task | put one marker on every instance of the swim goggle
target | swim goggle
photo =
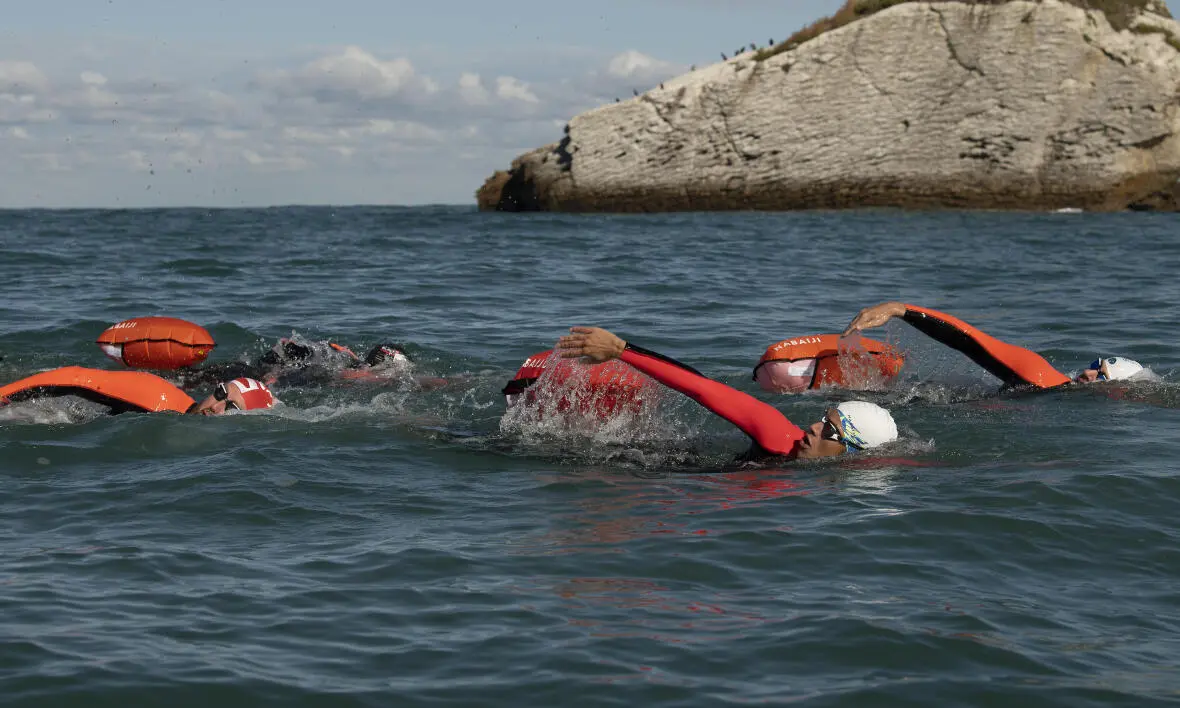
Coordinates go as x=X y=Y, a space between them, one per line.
x=1100 y=366
x=830 y=432
x=221 y=393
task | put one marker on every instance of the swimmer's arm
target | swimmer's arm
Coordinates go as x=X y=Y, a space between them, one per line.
x=874 y=316
x=769 y=428
x=1011 y=364
x=432 y=383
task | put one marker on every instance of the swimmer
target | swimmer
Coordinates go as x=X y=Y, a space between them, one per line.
x=1013 y=365
x=847 y=428
x=136 y=391
x=292 y=363
x=386 y=354
x=243 y=394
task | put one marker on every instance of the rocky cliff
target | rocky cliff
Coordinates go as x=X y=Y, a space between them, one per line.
x=1020 y=105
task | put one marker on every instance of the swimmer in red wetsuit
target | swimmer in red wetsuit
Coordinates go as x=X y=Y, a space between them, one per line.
x=849 y=427
x=139 y=391
x=1013 y=365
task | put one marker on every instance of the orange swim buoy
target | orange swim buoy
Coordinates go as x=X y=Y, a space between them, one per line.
x=156 y=343
x=122 y=390
x=605 y=389
x=795 y=365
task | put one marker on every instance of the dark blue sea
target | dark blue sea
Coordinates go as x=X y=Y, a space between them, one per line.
x=394 y=544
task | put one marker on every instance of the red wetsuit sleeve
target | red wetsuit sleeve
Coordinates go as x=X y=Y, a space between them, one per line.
x=1011 y=364
x=769 y=428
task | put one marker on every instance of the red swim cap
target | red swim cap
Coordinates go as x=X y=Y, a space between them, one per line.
x=255 y=394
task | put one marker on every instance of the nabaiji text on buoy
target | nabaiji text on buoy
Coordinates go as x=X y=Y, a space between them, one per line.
x=795 y=365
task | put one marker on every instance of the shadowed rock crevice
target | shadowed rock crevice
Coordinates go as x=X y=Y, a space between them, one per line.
x=950 y=44
x=565 y=159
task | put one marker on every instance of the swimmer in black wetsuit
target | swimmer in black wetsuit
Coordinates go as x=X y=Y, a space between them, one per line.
x=849 y=427
x=1013 y=365
x=290 y=363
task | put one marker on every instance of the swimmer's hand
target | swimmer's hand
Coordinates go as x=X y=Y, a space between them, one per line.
x=593 y=344
x=874 y=316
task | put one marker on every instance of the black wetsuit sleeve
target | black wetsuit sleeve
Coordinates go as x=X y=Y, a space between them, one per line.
x=216 y=373
x=1011 y=364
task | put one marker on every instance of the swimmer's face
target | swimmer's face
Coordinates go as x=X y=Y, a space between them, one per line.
x=818 y=442
x=224 y=399
x=1090 y=375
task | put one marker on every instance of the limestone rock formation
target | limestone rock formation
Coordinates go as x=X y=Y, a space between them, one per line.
x=1020 y=105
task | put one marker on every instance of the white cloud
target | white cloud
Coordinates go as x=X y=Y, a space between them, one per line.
x=283 y=161
x=510 y=88
x=472 y=91
x=618 y=77
x=351 y=74
x=136 y=160
x=19 y=78
x=88 y=98
x=310 y=136
x=402 y=130
x=48 y=161
x=637 y=65
x=227 y=135
x=23 y=109
x=344 y=119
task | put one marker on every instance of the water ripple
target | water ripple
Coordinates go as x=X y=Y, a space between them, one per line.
x=406 y=544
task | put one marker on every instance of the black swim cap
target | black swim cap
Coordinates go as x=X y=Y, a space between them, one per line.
x=286 y=351
x=385 y=352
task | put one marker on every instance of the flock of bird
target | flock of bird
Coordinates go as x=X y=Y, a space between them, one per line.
x=753 y=46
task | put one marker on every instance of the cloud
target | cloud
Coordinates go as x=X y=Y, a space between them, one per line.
x=275 y=160
x=513 y=89
x=22 y=86
x=336 y=118
x=637 y=65
x=472 y=91
x=618 y=77
x=21 y=78
x=22 y=110
x=352 y=75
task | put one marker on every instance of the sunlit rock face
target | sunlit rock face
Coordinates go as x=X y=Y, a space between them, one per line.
x=1012 y=105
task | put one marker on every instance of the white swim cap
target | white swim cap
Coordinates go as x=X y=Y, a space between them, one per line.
x=866 y=424
x=1114 y=368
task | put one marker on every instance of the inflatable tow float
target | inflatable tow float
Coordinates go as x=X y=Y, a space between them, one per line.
x=160 y=343
x=122 y=391
x=796 y=365
x=604 y=389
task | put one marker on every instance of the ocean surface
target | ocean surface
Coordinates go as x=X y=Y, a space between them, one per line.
x=398 y=544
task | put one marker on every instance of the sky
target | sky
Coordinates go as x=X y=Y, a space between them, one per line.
x=139 y=103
